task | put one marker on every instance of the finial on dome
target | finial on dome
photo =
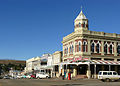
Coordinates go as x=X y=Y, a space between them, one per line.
x=81 y=7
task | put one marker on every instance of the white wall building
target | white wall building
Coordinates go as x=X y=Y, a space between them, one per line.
x=33 y=64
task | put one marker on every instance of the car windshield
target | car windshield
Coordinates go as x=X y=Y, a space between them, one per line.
x=99 y=73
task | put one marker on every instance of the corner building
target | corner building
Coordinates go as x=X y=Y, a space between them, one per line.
x=88 y=52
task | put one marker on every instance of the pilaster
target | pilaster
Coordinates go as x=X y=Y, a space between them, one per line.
x=102 y=47
x=115 y=48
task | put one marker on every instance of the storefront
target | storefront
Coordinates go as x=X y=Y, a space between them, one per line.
x=89 y=68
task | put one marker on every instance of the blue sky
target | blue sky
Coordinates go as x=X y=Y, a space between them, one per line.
x=30 y=28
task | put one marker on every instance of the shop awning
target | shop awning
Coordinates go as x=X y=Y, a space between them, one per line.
x=105 y=62
x=99 y=62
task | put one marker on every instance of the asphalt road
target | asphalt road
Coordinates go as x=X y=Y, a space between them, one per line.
x=55 y=82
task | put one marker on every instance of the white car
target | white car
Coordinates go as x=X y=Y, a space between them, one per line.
x=19 y=76
x=28 y=76
x=42 y=75
x=108 y=75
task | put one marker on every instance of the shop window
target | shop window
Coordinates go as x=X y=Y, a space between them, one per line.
x=98 y=48
x=92 y=47
x=111 y=49
x=105 y=49
x=118 y=49
x=79 y=46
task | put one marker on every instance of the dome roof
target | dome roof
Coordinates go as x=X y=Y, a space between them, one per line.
x=81 y=16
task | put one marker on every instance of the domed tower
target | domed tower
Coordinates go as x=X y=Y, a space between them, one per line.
x=81 y=22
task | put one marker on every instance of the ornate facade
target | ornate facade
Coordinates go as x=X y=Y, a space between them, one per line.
x=90 y=44
x=83 y=44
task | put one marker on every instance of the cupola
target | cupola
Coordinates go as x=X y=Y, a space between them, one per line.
x=81 y=22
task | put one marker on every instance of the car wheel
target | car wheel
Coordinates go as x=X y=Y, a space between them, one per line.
x=47 y=77
x=107 y=80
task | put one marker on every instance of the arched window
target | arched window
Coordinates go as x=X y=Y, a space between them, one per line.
x=79 y=24
x=118 y=49
x=105 y=49
x=84 y=46
x=72 y=48
x=92 y=47
x=79 y=46
x=67 y=50
x=84 y=24
x=111 y=50
x=98 y=48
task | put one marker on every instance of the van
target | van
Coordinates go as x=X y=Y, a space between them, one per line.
x=108 y=76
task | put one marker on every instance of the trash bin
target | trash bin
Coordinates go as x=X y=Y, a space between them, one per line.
x=69 y=76
x=63 y=77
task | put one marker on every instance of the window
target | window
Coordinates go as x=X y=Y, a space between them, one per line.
x=105 y=49
x=100 y=73
x=118 y=49
x=111 y=49
x=109 y=73
x=79 y=24
x=98 y=48
x=104 y=73
x=114 y=73
x=72 y=48
x=84 y=46
x=84 y=24
x=92 y=47
x=79 y=46
x=67 y=50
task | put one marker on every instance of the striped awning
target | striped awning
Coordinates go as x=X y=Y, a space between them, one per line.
x=105 y=62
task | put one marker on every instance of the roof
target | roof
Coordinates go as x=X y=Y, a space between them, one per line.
x=81 y=16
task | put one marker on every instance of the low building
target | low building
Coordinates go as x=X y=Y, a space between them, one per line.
x=33 y=64
x=57 y=59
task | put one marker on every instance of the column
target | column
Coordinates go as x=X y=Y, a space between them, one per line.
x=109 y=67
x=95 y=71
x=89 y=45
x=102 y=47
x=88 y=72
x=75 y=71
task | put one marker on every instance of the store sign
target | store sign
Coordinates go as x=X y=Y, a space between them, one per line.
x=75 y=59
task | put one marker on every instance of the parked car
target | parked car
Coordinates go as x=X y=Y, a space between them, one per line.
x=33 y=76
x=19 y=76
x=28 y=76
x=6 y=77
x=108 y=76
x=1 y=77
x=42 y=75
